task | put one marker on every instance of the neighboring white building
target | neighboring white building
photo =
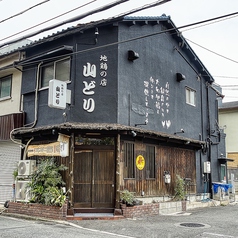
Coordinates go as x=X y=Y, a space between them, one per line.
x=11 y=117
x=228 y=118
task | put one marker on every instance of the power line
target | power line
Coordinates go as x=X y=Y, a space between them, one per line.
x=43 y=23
x=24 y=11
x=229 y=77
x=212 y=51
x=128 y=40
x=228 y=17
x=105 y=7
x=156 y=33
x=131 y=39
x=230 y=87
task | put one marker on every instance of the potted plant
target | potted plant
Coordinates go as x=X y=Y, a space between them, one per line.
x=127 y=198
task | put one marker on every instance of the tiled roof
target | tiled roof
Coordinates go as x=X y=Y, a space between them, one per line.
x=166 y=19
x=229 y=105
x=85 y=26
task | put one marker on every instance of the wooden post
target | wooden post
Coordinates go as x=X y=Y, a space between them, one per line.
x=118 y=172
x=71 y=172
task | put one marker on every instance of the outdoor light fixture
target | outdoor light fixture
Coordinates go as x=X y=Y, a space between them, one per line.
x=133 y=133
x=54 y=132
x=132 y=55
x=96 y=31
x=96 y=35
x=142 y=124
x=180 y=77
x=181 y=131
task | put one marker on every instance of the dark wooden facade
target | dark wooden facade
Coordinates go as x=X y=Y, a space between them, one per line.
x=10 y=122
x=176 y=161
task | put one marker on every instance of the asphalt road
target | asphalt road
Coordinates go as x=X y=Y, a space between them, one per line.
x=220 y=221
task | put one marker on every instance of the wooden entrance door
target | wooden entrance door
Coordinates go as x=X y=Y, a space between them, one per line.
x=94 y=177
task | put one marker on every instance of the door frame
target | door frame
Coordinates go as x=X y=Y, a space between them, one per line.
x=93 y=148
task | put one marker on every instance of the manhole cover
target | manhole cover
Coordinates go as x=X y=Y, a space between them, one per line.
x=192 y=225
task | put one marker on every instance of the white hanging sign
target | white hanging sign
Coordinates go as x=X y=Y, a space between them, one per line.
x=57 y=94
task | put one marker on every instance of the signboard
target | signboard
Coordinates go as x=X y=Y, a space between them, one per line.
x=57 y=94
x=52 y=149
x=140 y=162
x=59 y=148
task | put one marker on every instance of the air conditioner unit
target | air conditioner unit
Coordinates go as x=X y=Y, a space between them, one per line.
x=22 y=192
x=26 y=167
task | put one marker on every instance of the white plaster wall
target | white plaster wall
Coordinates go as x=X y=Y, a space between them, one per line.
x=229 y=120
x=12 y=104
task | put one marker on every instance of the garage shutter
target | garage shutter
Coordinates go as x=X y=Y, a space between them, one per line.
x=10 y=154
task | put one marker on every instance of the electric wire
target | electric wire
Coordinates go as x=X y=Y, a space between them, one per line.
x=230 y=77
x=132 y=39
x=24 y=11
x=228 y=18
x=105 y=7
x=51 y=19
x=211 y=51
x=127 y=40
x=230 y=88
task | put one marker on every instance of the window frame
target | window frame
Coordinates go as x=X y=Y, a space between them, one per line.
x=50 y=63
x=10 y=91
x=129 y=160
x=150 y=162
x=188 y=94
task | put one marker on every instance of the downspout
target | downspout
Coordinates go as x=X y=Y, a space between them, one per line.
x=201 y=135
x=209 y=176
x=30 y=125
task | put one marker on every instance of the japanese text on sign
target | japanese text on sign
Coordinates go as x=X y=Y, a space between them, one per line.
x=90 y=71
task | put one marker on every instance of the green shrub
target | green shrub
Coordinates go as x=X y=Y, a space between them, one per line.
x=127 y=197
x=46 y=184
x=179 y=189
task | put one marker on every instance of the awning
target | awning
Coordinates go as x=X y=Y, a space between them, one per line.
x=67 y=126
x=224 y=160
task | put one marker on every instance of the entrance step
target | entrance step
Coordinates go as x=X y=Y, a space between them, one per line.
x=93 y=214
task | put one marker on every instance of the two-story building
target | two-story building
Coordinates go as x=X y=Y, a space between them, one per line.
x=11 y=115
x=139 y=105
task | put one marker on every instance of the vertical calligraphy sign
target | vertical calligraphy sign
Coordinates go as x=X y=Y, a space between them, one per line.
x=90 y=73
x=159 y=96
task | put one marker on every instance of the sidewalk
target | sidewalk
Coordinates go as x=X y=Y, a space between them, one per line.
x=166 y=208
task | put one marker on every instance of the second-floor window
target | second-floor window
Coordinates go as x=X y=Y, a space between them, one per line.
x=190 y=96
x=5 y=86
x=59 y=69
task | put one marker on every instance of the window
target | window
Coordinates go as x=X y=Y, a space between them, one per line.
x=5 y=86
x=190 y=96
x=150 y=161
x=223 y=173
x=59 y=69
x=129 y=160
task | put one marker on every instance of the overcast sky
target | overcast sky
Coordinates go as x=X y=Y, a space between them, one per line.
x=220 y=37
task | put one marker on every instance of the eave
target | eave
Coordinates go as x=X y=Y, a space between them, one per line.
x=108 y=128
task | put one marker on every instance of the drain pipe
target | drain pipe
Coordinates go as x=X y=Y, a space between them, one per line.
x=30 y=125
x=209 y=175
